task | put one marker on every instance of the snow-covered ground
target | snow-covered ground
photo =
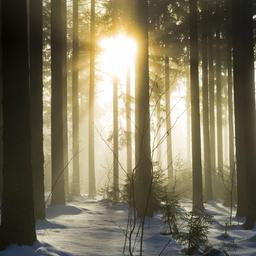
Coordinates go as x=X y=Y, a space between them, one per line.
x=96 y=228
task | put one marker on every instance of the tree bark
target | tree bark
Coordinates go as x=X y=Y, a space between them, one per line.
x=206 y=127
x=75 y=103
x=36 y=100
x=92 y=183
x=65 y=99
x=128 y=124
x=57 y=68
x=195 y=112
x=143 y=172
x=168 y=124
x=212 y=100
x=244 y=94
x=17 y=216
x=219 y=102
x=115 y=141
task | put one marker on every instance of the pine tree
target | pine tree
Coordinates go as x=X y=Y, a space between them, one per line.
x=244 y=94
x=65 y=97
x=143 y=173
x=195 y=112
x=36 y=92
x=75 y=103
x=17 y=216
x=58 y=77
x=206 y=127
x=92 y=184
x=168 y=122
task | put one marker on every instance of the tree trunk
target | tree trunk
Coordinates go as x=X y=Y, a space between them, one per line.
x=231 y=121
x=188 y=106
x=75 y=103
x=232 y=168
x=128 y=124
x=17 y=216
x=1 y=112
x=212 y=102
x=65 y=100
x=57 y=68
x=115 y=141
x=206 y=127
x=219 y=102
x=36 y=100
x=195 y=112
x=158 y=127
x=143 y=174
x=168 y=124
x=244 y=94
x=92 y=184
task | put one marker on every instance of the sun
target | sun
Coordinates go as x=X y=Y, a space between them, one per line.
x=117 y=55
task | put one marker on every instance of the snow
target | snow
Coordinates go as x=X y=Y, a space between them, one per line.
x=96 y=228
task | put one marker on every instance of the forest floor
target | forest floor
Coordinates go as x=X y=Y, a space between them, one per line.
x=96 y=228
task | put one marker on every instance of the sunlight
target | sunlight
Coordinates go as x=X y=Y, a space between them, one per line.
x=117 y=55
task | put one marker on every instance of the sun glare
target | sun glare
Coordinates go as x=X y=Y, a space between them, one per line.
x=117 y=55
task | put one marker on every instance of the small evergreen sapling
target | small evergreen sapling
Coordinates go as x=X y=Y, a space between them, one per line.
x=195 y=233
x=170 y=210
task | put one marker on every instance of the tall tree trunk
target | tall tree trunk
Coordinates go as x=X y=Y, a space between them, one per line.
x=168 y=123
x=128 y=124
x=188 y=106
x=206 y=127
x=211 y=99
x=92 y=182
x=158 y=127
x=231 y=120
x=75 y=103
x=195 y=112
x=1 y=112
x=57 y=68
x=219 y=102
x=244 y=94
x=115 y=116
x=143 y=174
x=232 y=198
x=115 y=140
x=36 y=100
x=65 y=100
x=17 y=216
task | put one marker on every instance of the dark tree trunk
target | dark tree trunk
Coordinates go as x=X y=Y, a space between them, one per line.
x=36 y=92
x=57 y=68
x=143 y=175
x=168 y=124
x=17 y=218
x=1 y=111
x=232 y=167
x=212 y=101
x=188 y=106
x=206 y=127
x=92 y=182
x=75 y=103
x=244 y=94
x=158 y=128
x=231 y=121
x=195 y=112
x=128 y=124
x=219 y=102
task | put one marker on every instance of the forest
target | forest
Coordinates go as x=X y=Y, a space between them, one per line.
x=128 y=127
